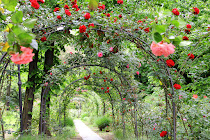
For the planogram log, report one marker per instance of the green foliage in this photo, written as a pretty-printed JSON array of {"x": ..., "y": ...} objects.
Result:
[
  {"x": 30, "y": 22},
  {"x": 102, "y": 122},
  {"x": 17, "y": 17},
  {"x": 69, "y": 122},
  {"x": 157, "y": 37},
  {"x": 84, "y": 115},
  {"x": 10, "y": 4},
  {"x": 67, "y": 133}
]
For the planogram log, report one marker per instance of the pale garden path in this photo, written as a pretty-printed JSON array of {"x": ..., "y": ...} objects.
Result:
[{"x": 85, "y": 132}]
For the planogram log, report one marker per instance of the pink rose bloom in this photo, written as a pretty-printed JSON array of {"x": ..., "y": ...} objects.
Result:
[
  {"x": 137, "y": 72},
  {"x": 111, "y": 49},
  {"x": 180, "y": 97},
  {"x": 25, "y": 57},
  {"x": 71, "y": 53},
  {"x": 100, "y": 54},
  {"x": 184, "y": 119},
  {"x": 195, "y": 96},
  {"x": 45, "y": 84},
  {"x": 162, "y": 48},
  {"x": 139, "y": 65},
  {"x": 78, "y": 89},
  {"x": 127, "y": 66}
]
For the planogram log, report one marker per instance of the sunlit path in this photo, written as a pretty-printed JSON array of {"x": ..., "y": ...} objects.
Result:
[{"x": 85, "y": 132}]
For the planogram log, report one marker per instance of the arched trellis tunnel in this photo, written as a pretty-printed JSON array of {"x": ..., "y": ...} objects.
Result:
[
  {"x": 118, "y": 91},
  {"x": 132, "y": 37}
]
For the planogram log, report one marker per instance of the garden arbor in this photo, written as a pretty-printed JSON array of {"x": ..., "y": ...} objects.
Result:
[{"x": 110, "y": 39}]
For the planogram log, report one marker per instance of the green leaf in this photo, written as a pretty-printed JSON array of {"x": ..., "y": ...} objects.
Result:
[
  {"x": 29, "y": 99},
  {"x": 10, "y": 4},
  {"x": 160, "y": 28},
  {"x": 177, "y": 40},
  {"x": 167, "y": 40},
  {"x": 25, "y": 39},
  {"x": 2, "y": 16},
  {"x": 93, "y": 4},
  {"x": 11, "y": 38},
  {"x": 18, "y": 30},
  {"x": 17, "y": 17},
  {"x": 30, "y": 22},
  {"x": 30, "y": 113},
  {"x": 157, "y": 37},
  {"x": 182, "y": 23},
  {"x": 185, "y": 43},
  {"x": 167, "y": 12},
  {"x": 175, "y": 22}
]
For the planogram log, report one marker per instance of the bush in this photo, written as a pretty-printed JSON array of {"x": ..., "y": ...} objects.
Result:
[
  {"x": 69, "y": 122},
  {"x": 103, "y": 122},
  {"x": 67, "y": 133},
  {"x": 84, "y": 115}
]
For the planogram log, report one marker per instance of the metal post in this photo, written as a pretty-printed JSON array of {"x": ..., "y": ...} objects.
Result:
[
  {"x": 20, "y": 100},
  {"x": 173, "y": 102}
]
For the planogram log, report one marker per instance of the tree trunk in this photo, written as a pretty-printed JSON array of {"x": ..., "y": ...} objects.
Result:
[
  {"x": 45, "y": 97},
  {"x": 29, "y": 94},
  {"x": 2, "y": 125},
  {"x": 104, "y": 108}
]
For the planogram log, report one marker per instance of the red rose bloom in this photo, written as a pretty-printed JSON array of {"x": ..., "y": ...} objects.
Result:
[
  {"x": 120, "y": 1},
  {"x": 185, "y": 38},
  {"x": 101, "y": 7},
  {"x": 35, "y": 4},
  {"x": 170, "y": 62},
  {"x": 120, "y": 16},
  {"x": 191, "y": 56},
  {"x": 42, "y": 1},
  {"x": 66, "y": 6},
  {"x": 91, "y": 24},
  {"x": 188, "y": 26},
  {"x": 177, "y": 86},
  {"x": 68, "y": 12},
  {"x": 59, "y": 17},
  {"x": 56, "y": 9},
  {"x": 87, "y": 35},
  {"x": 146, "y": 30},
  {"x": 102, "y": 88},
  {"x": 87, "y": 15},
  {"x": 163, "y": 133},
  {"x": 75, "y": 6},
  {"x": 74, "y": 2},
  {"x": 43, "y": 39},
  {"x": 187, "y": 31},
  {"x": 139, "y": 21},
  {"x": 196, "y": 10},
  {"x": 108, "y": 15},
  {"x": 111, "y": 79},
  {"x": 175, "y": 11},
  {"x": 82, "y": 29}
]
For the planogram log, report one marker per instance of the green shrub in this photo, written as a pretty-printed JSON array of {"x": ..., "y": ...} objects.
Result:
[
  {"x": 30, "y": 137},
  {"x": 69, "y": 122},
  {"x": 102, "y": 122},
  {"x": 84, "y": 115},
  {"x": 67, "y": 133}
]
